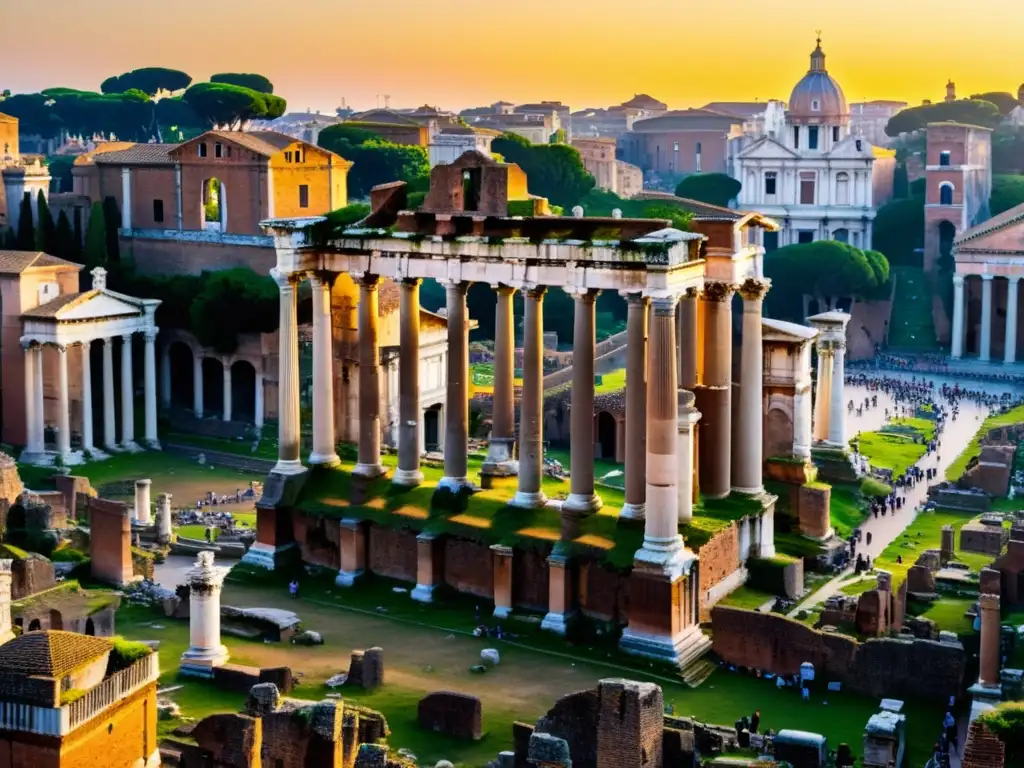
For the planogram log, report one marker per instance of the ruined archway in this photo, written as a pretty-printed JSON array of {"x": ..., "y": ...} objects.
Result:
[
  {"x": 182, "y": 374},
  {"x": 214, "y": 213},
  {"x": 243, "y": 391},
  {"x": 34, "y": 625},
  {"x": 56, "y": 620},
  {"x": 90, "y": 626},
  {"x": 213, "y": 386},
  {"x": 606, "y": 435}
]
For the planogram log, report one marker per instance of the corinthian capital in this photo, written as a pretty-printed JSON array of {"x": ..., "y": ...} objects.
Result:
[
  {"x": 754, "y": 289},
  {"x": 718, "y": 291}
]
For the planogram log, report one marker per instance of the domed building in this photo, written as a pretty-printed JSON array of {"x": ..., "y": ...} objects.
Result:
[{"x": 813, "y": 176}]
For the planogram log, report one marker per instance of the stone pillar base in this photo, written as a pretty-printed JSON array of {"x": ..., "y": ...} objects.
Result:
[
  {"x": 636, "y": 512},
  {"x": 369, "y": 471},
  {"x": 499, "y": 461},
  {"x": 407, "y": 478},
  {"x": 200, "y": 662},
  {"x": 266, "y": 555},
  {"x": 289, "y": 467},
  {"x": 347, "y": 578},
  {"x": 986, "y": 694},
  {"x": 454, "y": 484},
  {"x": 423, "y": 593},
  {"x": 153, "y": 445},
  {"x": 524, "y": 500},
  {"x": 660, "y": 624},
  {"x": 324, "y": 459},
  {"x": 561, "y": 594},
  {"x": 429, "y": 566},
  {"x": 502, "y": 565},
  {"x": 352, "y": 534},
  {"x": 131, "y": 447},
  {"x": 689, "y": 646},
  {"x": 555, "y": 622},
  {"x": 582, "y": 504}
]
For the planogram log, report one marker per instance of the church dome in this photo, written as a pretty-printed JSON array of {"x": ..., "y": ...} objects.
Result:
[{"x": 818, "y": 96}]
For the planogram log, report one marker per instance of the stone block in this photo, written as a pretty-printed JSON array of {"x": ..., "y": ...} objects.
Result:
[
  {"x": 110, "y": 541},
  {"x": 263, "y": 698},
  {"x": 452, "y": 714},
  {"x": 630, "y": 724},
  {"x": 547, "y": 751},
  {"x": 990, "y": 582},
  {"x": 521, "y": 733},
  {"x": 366, "y": 668},
  {"x": 984, "y": 539},
  {"x": 948, "y": 544},
  {"x": 231, "y": 740},
  {"x": 813, "y": 504},
  {"x": 920, "y": 580}
]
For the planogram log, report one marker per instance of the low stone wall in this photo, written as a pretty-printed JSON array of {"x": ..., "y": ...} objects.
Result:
[
  {"x": 530, "y": 580},
  {"x": 318, "y": 539},
  {"x": 235, "y": 677},
  {"x": 812, "y": 507},
  {"x": 468, "y": 567},
  {"x": 392, "y": 553},
  {"x": 984, "y": 539},
  {"x": 452, "y": 714},
  {"x": 604, "y": 593},
  {"x": 719, "y": 560}
]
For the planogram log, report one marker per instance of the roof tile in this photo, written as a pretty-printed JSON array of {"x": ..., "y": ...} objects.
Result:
[
  {"x": 51, "y": 653},
  {"x": 16, "y": 262},
  {"x": 140, "y": 154}
]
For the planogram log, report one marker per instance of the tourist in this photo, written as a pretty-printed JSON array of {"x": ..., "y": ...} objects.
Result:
[
  {"x": 293, "y": 588},
  {"x": 805, "y": 693},
  {"x": 949, "y": 723},
  {"x": 755, "y": 721}
]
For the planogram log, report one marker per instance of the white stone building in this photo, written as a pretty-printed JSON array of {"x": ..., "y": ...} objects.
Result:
[
  {"x": 816, "y": 178},
  {"x": 452, "y": 141}
]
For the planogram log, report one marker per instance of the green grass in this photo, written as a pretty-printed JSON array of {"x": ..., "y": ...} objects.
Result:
[
  {"x": 896, "y": 446},
  {"x": 847, "y": 509},
  {"x": 747, "y": 597},
  {"x": 613, "y": 381},
  {"x": 198, "y": 531},
  {"x": 911, "y": 326},
  {"x": 601, "y": 468},
  {"x": 946, "y": 612},
  {"x": 266, "y": 449},
  {"x": 958, "y": 467}
]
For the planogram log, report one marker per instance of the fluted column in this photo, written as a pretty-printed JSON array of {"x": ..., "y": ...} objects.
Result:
[
  {"x": 837, "y": 416},
  {"x": 288, "y": 425},
  {"x": 689, "y": 343},
  {"x": 582, "y": 499},
  {"x": 661, "y": 525},
  {"x": 802, "y": 435},
  {"x": 748, "y": 439},
  {"x": 531, "y": 435},
  {"x": 716, "y": 427},
  {"x": 109, "y": 439},
  {"x": 33, "y": 419},
  {"x": 323, "y": 375},
  {"x": 225, "y": 412},
  {"x": 957, "y": 341},
  {"x": 823, "y": 391},
  {"x": 1010, "y": 354},
  {"x": 165, "y": 376},
  {"x": 197, "y": 385},
  {"x": 500, "y": 460},
  {"x": 369, "y": 379},
  {"x": 127, "y": 394},
  {"x": 149, "y": 383},
  {"x": 409, "y": 413},
  {"x": 87, "y": 438},
  {"x": 986, "y": 318},
  {"x": 688, "y": 418},
  {"x": 456, "y": 406},
  {"x": 638, "y": 307},
  {"x": 63, "y": 403}
]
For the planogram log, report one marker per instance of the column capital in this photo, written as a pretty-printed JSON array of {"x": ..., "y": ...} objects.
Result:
[
  {"x": 504, "y": 290},
  {"x": 410, "y": 282},
  {"x": 286, "y": 281},
  {"x": 108, "y": 340},
  {"x": 1014, "y": 278},
  {"x": 586, "y": 295},
  {"x": 368, "y": 280},
  {"x": 987, "y": 277},
  {"x": 664, "y": 305},
  {"x": 462, "y": 286},
  {"x": 958, "y": 280},
  {"x": 753, "y": 289},
  {"x": 692, "y": 292},
  {"x": 27, "y": 344},
  {"x": 62, "y": 348},
  {"x": 535, "y": 292},
  {"x": 322, "y": 279},
  {"x": 127, "y": 337},
  {"x": 719, "y": 291},
  {"x": 635, "y": 297},
  {"x": 149, "y": 334}
]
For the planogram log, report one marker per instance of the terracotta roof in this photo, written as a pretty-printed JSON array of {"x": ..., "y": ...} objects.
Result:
[
  {"x": 139, "y": 154},
  {"x": 53, "y": 306},
  {"x": 643, "y": 101},
  {"x": 266, "y": 143},
  {"x": 7, "y": 118},
  {"x": 51, "y": 653},
  {"x": 16, "y": 262},
  {"x": 999, "y": 221}
]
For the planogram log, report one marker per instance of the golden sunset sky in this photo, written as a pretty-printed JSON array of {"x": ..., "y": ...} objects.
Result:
[{"x": 460, "y": 53}]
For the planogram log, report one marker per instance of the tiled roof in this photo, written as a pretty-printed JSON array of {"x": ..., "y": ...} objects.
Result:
[
  {"x": 696, "y": 207},
  {"x": 16, "y": 262},
  {"x": 50, "y": 653},
  {"x": 53, "y": 306},
  {"x": 139, "y": 154},
  {"x": 999, "y": 221},
  {"x": 266, "y": 143}
]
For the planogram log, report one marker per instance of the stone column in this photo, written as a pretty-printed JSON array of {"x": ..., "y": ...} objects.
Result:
[
  {"x": 748, "y": 437},
  {"x": 802, "y": 436},
  {"x": 1010, "y": 354},
  {"x": 323, "y": 375},
  {"x": 369, "y": 379},
  {"x": 456, "y": 404},
  {"x": 429, "y": 566},
  {"x": 500, "y": 462},
  {"x": 957, "y": 341},
  {"x": 768, "y": 532},
  {"x": 225, "y": 366},
  {"x": 560, "y": 594},
  {"x": 288, "y": 425},
  {"x": 689, "y": 345},
  {"x": 716, "y": 426},
  {"x": 986, "y": 318},
  {"x": 531, "y": 406},
  {"x": 109, "y": 440},
  {"x": 142, "y": 512},
  {"x": 352, "y": 534},
  {"x": 33, "y": 418},
  {"x": 582, "y": 500},
  {"x": 63, "y": 403},
  {"x": 258, "y": 400},
  {"x": 87, "y": 437},
  {"x": 126, "y": 199},
  {"x": 409, "y": 414},
  {"x": 6, "y": 578},
  {"x": 688, "y": 418},
  {"x": 164, "y": 529},
  {"x": 165, "y": 376},
  {"x": 502, "y": 564},
  {"x": 205, "y": 651},
  {"x": 197, "y": 385},
  {"x": 638, "y": 307},
  {"x": 988, "y": 669},
  {"x": 823, "y": 394},
  {"x": 837, "y": 414},
  {"x": 149, "y": 380},
  {"x": 127, "y": 395}
]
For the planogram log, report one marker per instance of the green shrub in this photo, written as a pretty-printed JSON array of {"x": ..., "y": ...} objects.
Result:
[
  {"x": 71, "y": 695},
  {"x": 1007, "y": 722},
  {"x": 767, "y": 574},
  {"x": 69, "y": 555},
  {"x": 125, "y": 653},
  {"x": 873, "y": 488}
]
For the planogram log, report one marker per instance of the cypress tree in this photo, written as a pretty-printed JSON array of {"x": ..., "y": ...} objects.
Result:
[
  {"x": 46, "y": 230},
  {"x": 8, "y": 239},
  {"x": 26, "y": 229},
  {"x": 96, "y": 238},
  {"x": 64, "y": 238},
  {"x": 112, "y": 223}
]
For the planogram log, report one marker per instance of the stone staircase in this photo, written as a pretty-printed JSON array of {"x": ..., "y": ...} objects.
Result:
[
  {"x": 697, "y": 672},
  {"x": 693, "y": 666}
]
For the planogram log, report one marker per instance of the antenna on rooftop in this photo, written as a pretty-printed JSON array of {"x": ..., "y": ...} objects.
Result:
[{"x": 387, "y": 101}]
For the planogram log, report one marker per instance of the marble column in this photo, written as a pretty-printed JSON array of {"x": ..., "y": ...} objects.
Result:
[
  {"x": 689, "y": 344},
  {"x": 638, "y": 309},
  {"x": 258, "y": 400},
  {"x": 63, "y": 403},
  {"x": 127, "y": 394},
  {"x": 6, "y": 580},
  {"x": 661, "y": 524},
  {"x": 531, "y": 405},
  {"x": 225, "y": 411},
  {"x": 582, "y": 500},
  {"x": 957, "y": 340},
  {"x": 688, "y": 418},
  {"x": 369, "y": 379},
  {"x": 197, "y": 385},
  {"x": 87, "y": 437},
  {"x": 109, "y": 439},
  {"x": 989, "y": 646},
  {"x": 456, "y": 404},
  {"x": 1010, "y": 354},
  {"x": 499, "y": 461},
  {"x": 288, "y": 425},
  {"x": 142, "y": 512},
  {"x": 33, "y": 417},
  {"x": 986, "y": 318},
  {"x": 409, "y": 414},
  {"x": 716, "y": 427},
  {"x": 802, "y": 421},
  {"x": 324, "y": 451},
  {"x": 165, "y": 376},
  {"x": 823, "y": 391},
  {"x": 164, "y": 529},
  {"x": 837, "y": 413},
  {"x": 149, "y": 381},
  {"x": 205, "y": 650},
  {"x": 748, "y": 439}
]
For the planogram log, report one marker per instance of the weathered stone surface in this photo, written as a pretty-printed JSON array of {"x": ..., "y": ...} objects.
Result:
[
  {"x": 813, "y": 504},
  {"x": 548, "y": 751},
  {"x": 263, "y": 698},
  {"x": 450, "y": 713},
  {"x": 231, "y": 740},
  {"x": 366, "y": 668}
]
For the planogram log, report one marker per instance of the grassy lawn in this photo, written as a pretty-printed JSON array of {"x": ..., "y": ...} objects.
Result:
[
  {"x": 847, "y": 508},
  {"x": 613, "y": 381},
  {"x": 896, "y": 446},
  {"x": 242, "y": 519},
  {"x": 911, "y": 325},
  {"x": 602, "y": 468},
  {"x": 1013, "y": 416},
  {"x": 947, "y": 613},
  {"x": 747, "y": 597},
  {"x": 265, "y": 449}
]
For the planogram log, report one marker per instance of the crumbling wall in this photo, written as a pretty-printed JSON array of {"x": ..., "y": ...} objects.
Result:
[
  {"x": 529, "y": 580},
  {"x": 110, "y": 541},
  {"x": 604, "y": 593},
  {"x": 574, "y": 717},
  {"x": 452, "y": 714},
  {"x": 318, "y": 538},
  {"x": 31, "y": 574},
  {"x": 719, "y": 559}
]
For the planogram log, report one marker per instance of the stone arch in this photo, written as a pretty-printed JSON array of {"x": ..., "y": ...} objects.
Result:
[
  {"x": 214, "y": 205},
  {"x": 56, "y": 620},
  {"x": 841, "y": 235},
  {"x": 607, "y": 435},
  {"x": 778, "y": 432},
  {"x": 213, "y": 386},
  {"x": 90, "y": 626},
  {"x": 34, "y": 625},
  {"x": 243, "y": 391},
  {"x": 946, "y": 192},
  {"x": 182, "y": 373}
]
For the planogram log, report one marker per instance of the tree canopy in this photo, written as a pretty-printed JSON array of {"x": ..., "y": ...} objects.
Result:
[
  {"x": 26, "y": 226},
  {"x": 713, "y": 188},
  {"x": 96, "y": 238},
  {"x": 970, "y": 111},
  {"x": 554, "y": 171},
  {"x": 245, "y": 80},
  {"x": 46, "y": 228},
  {"x": 899, "y": 231},
  {"x": 231, "y": 302},
  {"x": 376, "y": 161},
  {"x": 149, "y": 80},
  {"x": 232, "y": 106},
  {"x": 35, "y": 117},
  {"x": 1005, "y": 102},
  {"x": 1007, "y": 192}
]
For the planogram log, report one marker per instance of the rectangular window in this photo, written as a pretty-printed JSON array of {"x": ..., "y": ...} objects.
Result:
[
  {"x": 303, "y": 196},
  {"x": 675, "y": 146},
  {"x": 771, "y": 178},
  {"x": 218, "y": 150},
  {"x": 158, "y": 211},
  {"x": 944, "y": 158},
  {"x": 805, "y": 236},
  {"x": 807, "y": 184},
  {"x": 796, "y": 137},
  {"x": 287, "y": 157},
  {"x": 835, "y": 133},
  {"x": 202, "y": 149},
  {"x": 812, "y": 137}
]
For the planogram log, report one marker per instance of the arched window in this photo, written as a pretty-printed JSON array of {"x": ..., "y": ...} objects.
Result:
[
  {"x": 215, "y": 206},
  {"x": 842, "y": 188},
  {"x": 945, "y": 193},
  {"x": 841, "y": 235}
]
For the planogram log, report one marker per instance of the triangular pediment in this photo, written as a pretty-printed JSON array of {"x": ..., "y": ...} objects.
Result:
[
  {"x": 1003, "y": 232},
  {"x": 768, "y": 148},
  {"x": 847, "y": 148},
  {"x": 97, "y": 304}
]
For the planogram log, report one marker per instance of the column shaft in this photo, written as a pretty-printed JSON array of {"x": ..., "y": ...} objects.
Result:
[
  {"x": 87, "y": 438},
  {"x": 225, "y": 413},
  {"x": 197, "y": 386},
  {"x": 688, "y": 343},
  {"x": 369, "y": 379},
  {"x": 288, "y": 424},
  {"x": 165, "y": 376},
  {"x": 409, "y": 413},
  {"x": 636, "y": 406},
  {"x": 258, "y": 400},
  {"x": 582, "y": 499},
  {"x": 1010, "y": 353},
  {"x": 823, "y": 391},
  {"x": 986, "y": 318},
  {"x": 456, "y": 410},
  {"x": 499, "y": 450},
  {"x": 716, "y": 429},
  {"x": 688, "y": 417},
  {"x": 127, "y": 393},
  {"x": 109, "y": 439},
  {"x": 33, "y": 445},
  {"x": 957, "y": 341},
  {"x": 149, "y": 381},
  {"x": 63, "y": 403},
  {"x": 802, "y": 421},
  {"x": 323, "y": 379},
  {"x": 837, "y": 416},
  {"x": 531, "y": 431},
  {"x": 989, "y": 661},
  {"x": 748, "y": 439}
]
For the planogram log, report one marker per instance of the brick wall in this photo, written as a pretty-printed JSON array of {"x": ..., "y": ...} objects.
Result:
[
  {"x": 983, "y": 748},
  {"x": 318, "y": 538},
  {"x": 468, "y": 567},
  {"x": 813, "y": 510},
  {"x": 451, "y": 714},
  {"x": 986, "y": 539},
  {"x": 392, "y": 553},
  {"x": 110, "y": 541},
  {"x": 229, "y": 739},
  {"x": 182, "y": 257},
  {"x": 630, "y": 724},
  {"x": 30, "y": 575},
  {"x": 719, "y": 558},
  {"x": 604, "y": 593},
  {"x": 529, "y": 580}
]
